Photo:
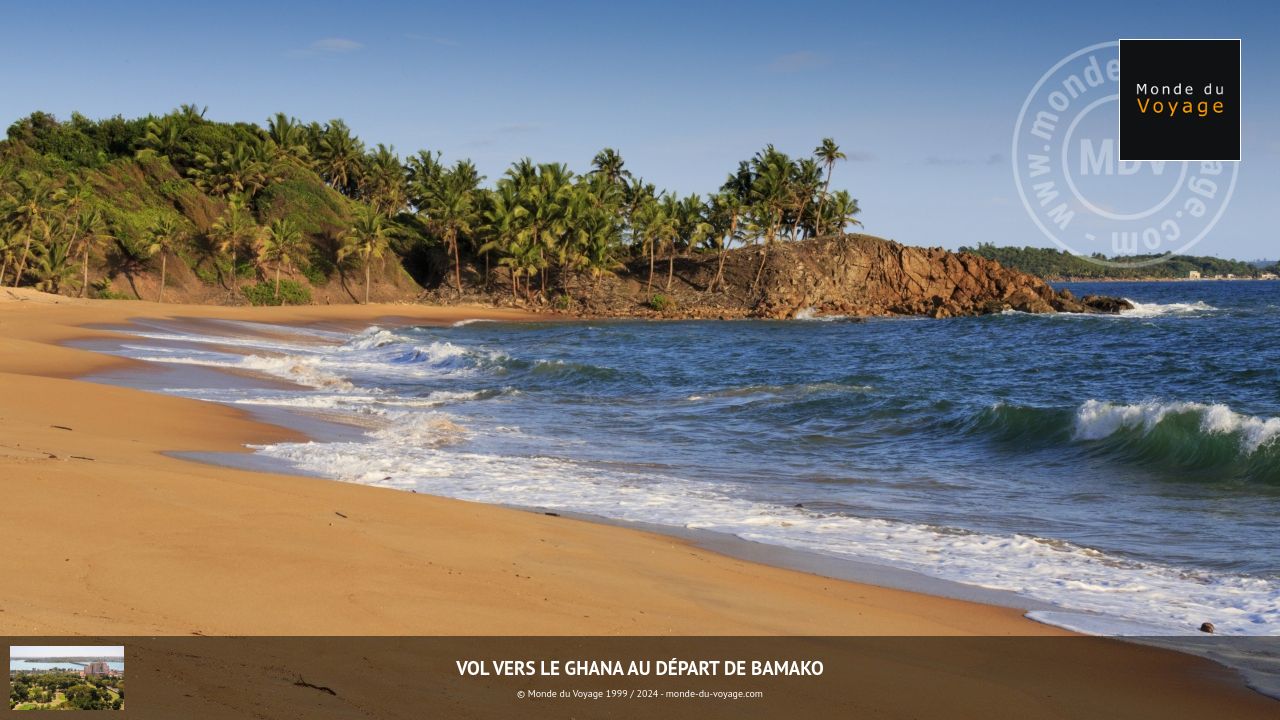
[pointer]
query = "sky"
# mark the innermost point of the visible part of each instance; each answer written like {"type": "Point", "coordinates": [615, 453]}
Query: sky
{"type": "Point", "coordinates": [922, 96]}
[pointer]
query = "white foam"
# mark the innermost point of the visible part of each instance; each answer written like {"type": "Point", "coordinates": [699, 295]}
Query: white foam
{"type": "Point", "coordinates": [811, 314]}
{"type": "Point", "coordinates": [1096, 420]}
{"type": "Point", "coordinates": [432, 457]}
{"type": "Point", "coordinates": [1147, 310]}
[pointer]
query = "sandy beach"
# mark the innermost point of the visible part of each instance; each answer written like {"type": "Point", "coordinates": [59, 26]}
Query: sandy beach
{"type": "Point", "coordinates": [107, 534]}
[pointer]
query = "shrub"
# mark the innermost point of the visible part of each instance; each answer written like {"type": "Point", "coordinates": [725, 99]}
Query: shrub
{"type": "Point", "coordinates": [264, 293]}
{"type": "Point", "coordinates": [662, 303]}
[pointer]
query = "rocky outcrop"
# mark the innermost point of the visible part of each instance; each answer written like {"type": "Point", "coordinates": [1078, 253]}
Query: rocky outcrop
{"type": "Point", "coordinates": [863, 275]}
{"type": "Point", "coordinates": [849, 275]}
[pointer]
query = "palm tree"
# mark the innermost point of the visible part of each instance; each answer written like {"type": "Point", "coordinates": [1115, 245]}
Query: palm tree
{"type": "Point", "coordinates": [726, 209]}
{"type": "Point", "coordinates": [367, 240]}
{"type": "Point", "coordinates": [53, 266]}
{"type": "Point", "coordinates": [163, 137]}
{"type": "Point", "coordinates": [502, 217]}
{"type": "Point", "coordinates": [280, 245]}
{"type": "Point", "coordinates": [839, 213]}
{"type": "Point", "coordinates": [827, 153]}
{"type": "Point", "coordinates": [341, 155]}
{"type": "Point", "coordinates": [452, 210]}
{"type": "Point", "coordinates": [165, 232]}
{"type": "Point", "coordinates": [91, 229]}
{"type": "Point", "coordinates": [230, 232]}
{"type": "Point", "coordinates": [806, 174]}
{"type": "Point", "coordinates": [383, 182]}
{"type": "Point", "coordinates": [34, 203]}
{"type": "Point", "coordinates": [771, 191]}
{"type": "Point", "coordinates": [608, 164]}
{"type": "Point", "coordinates": [287, 139]}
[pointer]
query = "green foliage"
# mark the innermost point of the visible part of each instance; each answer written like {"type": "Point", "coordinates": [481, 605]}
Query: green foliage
{"type": "Point", "coordinates": [216, 188]}
{"type": "Point", "coordinates": [662, 303]}
{"type": "Point", "coordinates": [264, 293]}
{"type": "Point", "coordinates": [1056, 265]}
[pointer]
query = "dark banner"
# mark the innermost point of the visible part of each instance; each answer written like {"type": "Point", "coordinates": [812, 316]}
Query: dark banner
{"type": "Point", "coordinates": [679, 677]}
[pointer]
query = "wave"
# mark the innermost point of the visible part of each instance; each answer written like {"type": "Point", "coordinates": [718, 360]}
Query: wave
{"type": "Point", "coordinates": [811, 314]}
{"type": "Point", "coordinates": [1211, 440]}
{"type": "Point", "coordinates": [433, 457]}
{"type": "Point", "coordinates": [1147, 310]}
{"type": "Point", "coordinates": [753, 392]}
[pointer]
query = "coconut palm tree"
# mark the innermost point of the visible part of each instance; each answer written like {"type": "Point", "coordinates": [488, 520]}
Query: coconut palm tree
{"type": "Point", "coordinates": [341, 156]}
{"type": "Point", "coordinates": [608, 164]}
{"type": "Point", "coordinates": [452, 209]}
{"type": "Point", "coordinates": [827, 153]}
{"type": "Point", "coordinates": [367, 240]}
{"type": "Point", "coordinates": [231, 232]}
{"type": "Point", "coordinates": [287, 139]}
{"type": "Point", "coordinates": [163, 137]}
{"type": "Point", "coordinates": [501, 224]}
{"type": "Point", "coordinates": [34, 204]}
{"type": "Point", "coordinates": [725, 211]}
{"type": "Point", "coordinates": [839, 213]}
{"type": "Point", "coordinates": [243, 171]}
{"type": "Point", "coordinates": [383, 181]}
{"type": "Point", "coordinates": [280, 245]}
{"type": "Point", "coordinates": [164, 234]}
{"type": "Point", "coordinates": [91, 230]}
{"type": "Point", "coordinates": [53, 266]}
{"type": "Point", "coordinates": [806, 175]}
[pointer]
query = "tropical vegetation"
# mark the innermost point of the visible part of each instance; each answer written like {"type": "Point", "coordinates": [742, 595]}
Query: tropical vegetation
{"type": "Point", "coordinates": [1058, 265]}
{"type": "Point", "coordinates": [89, 206]}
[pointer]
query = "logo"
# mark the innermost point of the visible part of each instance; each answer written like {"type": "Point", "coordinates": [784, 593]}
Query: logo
{"type": "Point", "coordinates": [1082, 196]}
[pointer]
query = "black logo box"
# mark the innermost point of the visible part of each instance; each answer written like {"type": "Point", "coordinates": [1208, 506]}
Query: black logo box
{"type": "Point", "coordinates": [1187, 68]}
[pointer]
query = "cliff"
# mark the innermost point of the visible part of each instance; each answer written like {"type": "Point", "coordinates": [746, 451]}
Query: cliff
{"type": "Point", "coordinates": [853, 275]}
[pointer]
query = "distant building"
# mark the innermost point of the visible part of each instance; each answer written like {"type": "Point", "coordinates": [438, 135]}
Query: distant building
{"type": "Point", "coordinates": [98, 668]}
{"type": "Point", "coordinates": [1267, 276]}
{"type": "Point", "coordinates": [1193, 275]}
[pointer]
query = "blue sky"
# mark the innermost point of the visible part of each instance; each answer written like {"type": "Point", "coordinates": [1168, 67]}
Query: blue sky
{"type": "Point", "coordinates": [923, 96]}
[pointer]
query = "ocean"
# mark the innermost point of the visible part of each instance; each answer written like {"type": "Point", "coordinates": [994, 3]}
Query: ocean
{"type": "Point", "coordinates": [1123, 469]}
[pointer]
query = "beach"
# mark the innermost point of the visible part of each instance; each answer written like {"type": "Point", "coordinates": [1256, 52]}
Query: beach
{"type": "Point", "coordinates": [107, 533]}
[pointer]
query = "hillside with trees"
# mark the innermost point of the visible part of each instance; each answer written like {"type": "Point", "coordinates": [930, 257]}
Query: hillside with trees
{"type": "Point", "coordinates": [1052, 264]}
{"type": "Point", "coordinates": [182, 208]}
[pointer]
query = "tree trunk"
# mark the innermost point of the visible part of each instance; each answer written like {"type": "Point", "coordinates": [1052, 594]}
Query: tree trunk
{"type": "Point", "coordinates": [22, 264]}
{"type": "Point", "coordinates": [671, 268]}
{"type": "Point", "coordinates": [724, 249]}
{"type": "Point", "coordinates": [457, 260]}
{"type": "Point", "coordinates": [826, 188]}
{"type": "Point", "coordinates": [651, 254]}
{"type": "Point", "coordinates": [764, 255]}
{"type": "Point", "coordinates": [84, 285]}
{"type": "Point", "coordinates": [164, 273]}
{"type": "Point", "coordinates": [514, 298]}
{"type": "Point", "coordinates": [366, 280]}
{"type": "Point", "coordinates": [277, 281]}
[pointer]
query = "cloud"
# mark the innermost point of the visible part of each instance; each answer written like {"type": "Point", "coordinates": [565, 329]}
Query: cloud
{"type": "Point", "coordinates": [992, 159]}
{"type": "Point", "coordinates": [797, 62]}
{"type": "Point", "coordinates": [860, 156]}
{"type": "Point", "coordinates": [329, 46]}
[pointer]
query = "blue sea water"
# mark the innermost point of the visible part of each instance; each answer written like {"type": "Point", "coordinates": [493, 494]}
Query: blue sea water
{"type": "Point", "coordinates": [1123, 467]}
{"type": "Point", "coordinates": [60, 665]}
